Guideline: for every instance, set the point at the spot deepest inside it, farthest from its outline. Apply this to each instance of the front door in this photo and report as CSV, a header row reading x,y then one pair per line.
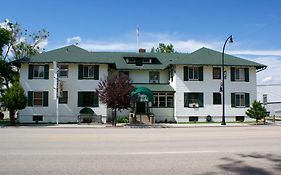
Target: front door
x,y
140,108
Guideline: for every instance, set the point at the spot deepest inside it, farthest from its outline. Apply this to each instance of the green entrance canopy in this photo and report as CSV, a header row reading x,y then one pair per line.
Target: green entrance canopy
x,y
142,94
87,111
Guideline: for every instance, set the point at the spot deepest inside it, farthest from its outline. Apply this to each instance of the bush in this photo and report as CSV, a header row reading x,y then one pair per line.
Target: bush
x,y
124,119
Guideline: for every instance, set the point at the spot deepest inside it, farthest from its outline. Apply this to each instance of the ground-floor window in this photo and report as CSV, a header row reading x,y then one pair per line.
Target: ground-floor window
x,y
163,100
37,98
240,99
216,98
193,99
88,99
63,97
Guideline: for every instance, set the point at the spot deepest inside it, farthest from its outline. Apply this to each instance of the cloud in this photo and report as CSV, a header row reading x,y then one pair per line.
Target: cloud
x,y
256,52
73,40
271,75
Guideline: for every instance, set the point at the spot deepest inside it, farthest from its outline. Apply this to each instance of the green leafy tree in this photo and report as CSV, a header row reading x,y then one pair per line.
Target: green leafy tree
x,y
115,92
257,111
16,43
14,99
163,48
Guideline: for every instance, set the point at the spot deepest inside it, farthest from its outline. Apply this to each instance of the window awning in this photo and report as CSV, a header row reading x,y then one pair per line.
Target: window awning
x,y
142,94
87,111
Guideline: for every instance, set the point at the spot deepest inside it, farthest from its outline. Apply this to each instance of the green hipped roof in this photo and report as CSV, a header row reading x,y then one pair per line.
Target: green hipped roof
x,y
142,90
74,54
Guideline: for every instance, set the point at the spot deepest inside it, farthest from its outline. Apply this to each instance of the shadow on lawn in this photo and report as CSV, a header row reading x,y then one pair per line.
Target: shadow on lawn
x,y
240,165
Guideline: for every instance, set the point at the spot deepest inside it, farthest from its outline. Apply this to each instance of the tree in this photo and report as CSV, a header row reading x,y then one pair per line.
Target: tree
x,y
163,48
16,43
14,99
257,111
115,92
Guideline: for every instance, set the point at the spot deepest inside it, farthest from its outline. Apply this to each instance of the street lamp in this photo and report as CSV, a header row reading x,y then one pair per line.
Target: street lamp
x,y
223,77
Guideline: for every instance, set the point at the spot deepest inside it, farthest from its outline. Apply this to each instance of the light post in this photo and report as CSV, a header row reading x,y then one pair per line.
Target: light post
x,y
223,77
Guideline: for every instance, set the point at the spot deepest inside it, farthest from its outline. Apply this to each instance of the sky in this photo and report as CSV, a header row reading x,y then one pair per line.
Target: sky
x,y
110,25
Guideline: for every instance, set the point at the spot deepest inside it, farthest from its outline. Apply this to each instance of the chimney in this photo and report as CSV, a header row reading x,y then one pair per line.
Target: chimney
x,y
141,50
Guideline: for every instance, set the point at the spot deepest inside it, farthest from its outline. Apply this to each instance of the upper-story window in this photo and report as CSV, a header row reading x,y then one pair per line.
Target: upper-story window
x,y
154,77
131,60
240,74
146,60
38,71
88,72
216,73
193,73
63,71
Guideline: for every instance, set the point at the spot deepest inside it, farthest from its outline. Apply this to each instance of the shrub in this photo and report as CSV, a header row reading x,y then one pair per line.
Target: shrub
x,y
124,119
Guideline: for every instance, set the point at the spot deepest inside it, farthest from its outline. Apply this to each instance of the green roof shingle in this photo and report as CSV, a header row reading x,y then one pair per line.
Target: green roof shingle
x,y
74,54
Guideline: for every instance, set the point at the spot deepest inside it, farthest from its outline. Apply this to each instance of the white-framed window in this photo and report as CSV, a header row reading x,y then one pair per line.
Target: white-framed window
x,y
38,71
193,99
240,99
88,71
147,60
131,60
154,77
193,73
163,100
37,98
63,71
216,73
239,74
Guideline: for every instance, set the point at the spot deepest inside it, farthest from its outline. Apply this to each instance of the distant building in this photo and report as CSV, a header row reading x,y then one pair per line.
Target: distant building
x,y
185,87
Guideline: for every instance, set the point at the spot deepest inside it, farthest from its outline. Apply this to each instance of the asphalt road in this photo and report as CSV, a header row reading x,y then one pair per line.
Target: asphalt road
x,y
166,151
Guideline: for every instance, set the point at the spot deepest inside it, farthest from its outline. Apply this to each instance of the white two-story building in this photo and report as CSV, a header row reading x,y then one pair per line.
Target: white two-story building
x,y
185,87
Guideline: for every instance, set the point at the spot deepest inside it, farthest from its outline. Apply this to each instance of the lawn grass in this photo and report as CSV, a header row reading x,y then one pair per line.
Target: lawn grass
x,y
4,122
246,122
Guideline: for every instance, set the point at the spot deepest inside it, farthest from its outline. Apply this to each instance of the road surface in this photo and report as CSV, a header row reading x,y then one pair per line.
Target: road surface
x,y
201,151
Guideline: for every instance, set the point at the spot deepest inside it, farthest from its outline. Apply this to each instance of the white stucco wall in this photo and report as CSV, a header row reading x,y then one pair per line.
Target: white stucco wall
x,y
67,112
208,86
142,76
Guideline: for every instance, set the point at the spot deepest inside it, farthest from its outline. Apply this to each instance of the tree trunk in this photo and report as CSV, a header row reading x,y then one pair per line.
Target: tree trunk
x,y
12,117
114,118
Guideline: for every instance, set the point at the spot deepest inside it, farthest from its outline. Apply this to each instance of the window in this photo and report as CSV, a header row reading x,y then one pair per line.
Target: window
x,y
240,74
146,60
38,71
154,77
89,99
63,97
193,119
193,73
130,60
216,98
88,72
240,118
37,118
63,71
37,98
216,73
193,100
240,99
163,100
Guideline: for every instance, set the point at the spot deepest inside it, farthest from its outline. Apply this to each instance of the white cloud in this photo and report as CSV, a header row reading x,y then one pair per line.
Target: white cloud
x,y
73,40
256,52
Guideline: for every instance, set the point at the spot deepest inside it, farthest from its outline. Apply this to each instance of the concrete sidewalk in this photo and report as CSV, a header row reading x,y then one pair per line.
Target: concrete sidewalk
x,y
162,125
